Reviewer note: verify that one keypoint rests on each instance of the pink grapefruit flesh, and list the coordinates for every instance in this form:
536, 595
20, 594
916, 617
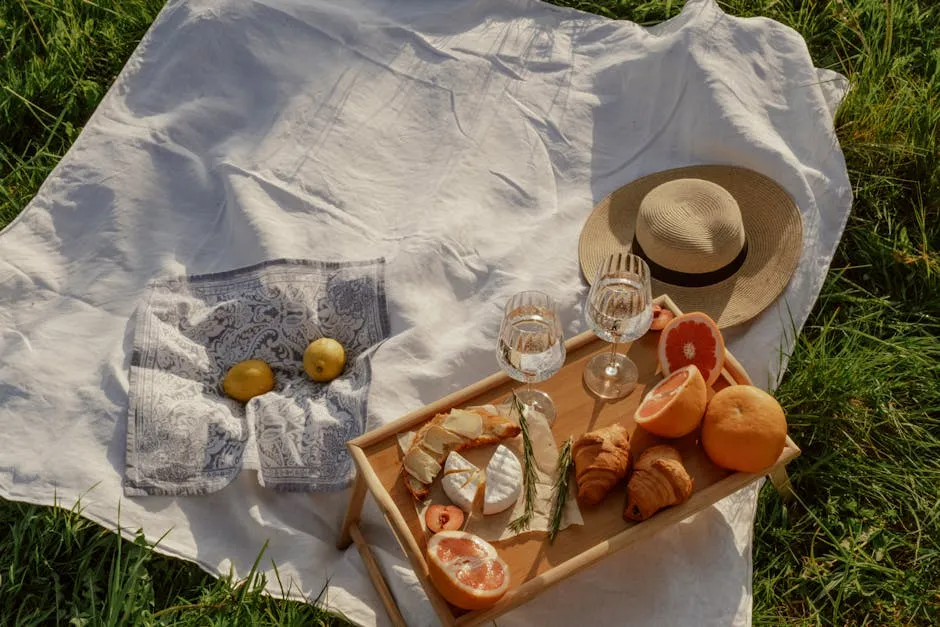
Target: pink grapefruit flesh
663, 394
692, 339
674, 407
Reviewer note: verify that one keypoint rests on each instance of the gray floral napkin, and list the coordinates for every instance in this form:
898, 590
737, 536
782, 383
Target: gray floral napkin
185, 437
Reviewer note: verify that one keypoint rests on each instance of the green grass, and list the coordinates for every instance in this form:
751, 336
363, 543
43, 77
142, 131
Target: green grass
861, 546
60, 568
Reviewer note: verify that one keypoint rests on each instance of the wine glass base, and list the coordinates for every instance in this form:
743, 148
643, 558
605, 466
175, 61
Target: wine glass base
611, 375
538, 400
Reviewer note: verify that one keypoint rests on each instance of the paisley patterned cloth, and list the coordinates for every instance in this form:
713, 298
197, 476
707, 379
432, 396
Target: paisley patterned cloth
185, 437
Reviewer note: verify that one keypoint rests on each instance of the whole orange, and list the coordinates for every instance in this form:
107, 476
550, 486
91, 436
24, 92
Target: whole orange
744, 429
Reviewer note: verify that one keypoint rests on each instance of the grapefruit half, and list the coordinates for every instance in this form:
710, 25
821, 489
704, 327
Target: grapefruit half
466, 570
675, 406
692, 338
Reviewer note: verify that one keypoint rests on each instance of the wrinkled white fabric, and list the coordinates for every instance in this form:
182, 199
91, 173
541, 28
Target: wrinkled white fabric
465, 142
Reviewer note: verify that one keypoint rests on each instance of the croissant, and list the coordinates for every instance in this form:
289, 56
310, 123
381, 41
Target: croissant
601, 459
659, 480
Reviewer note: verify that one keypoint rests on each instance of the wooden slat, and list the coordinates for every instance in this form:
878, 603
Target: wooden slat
378, 580
736, 370
412, 551
781, 481
353, 510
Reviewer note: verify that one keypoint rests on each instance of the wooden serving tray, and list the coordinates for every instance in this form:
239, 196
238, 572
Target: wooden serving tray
534, 564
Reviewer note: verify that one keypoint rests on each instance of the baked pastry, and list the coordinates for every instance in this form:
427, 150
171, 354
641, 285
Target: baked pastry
659, 480
455, 430
601, 460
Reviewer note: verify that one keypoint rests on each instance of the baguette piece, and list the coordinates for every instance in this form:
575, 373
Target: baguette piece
601, 460
456, 430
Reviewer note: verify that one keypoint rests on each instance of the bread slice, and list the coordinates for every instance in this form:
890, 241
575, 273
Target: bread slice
456, 430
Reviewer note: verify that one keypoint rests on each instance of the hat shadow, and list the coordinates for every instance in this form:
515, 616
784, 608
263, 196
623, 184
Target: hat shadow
718, 300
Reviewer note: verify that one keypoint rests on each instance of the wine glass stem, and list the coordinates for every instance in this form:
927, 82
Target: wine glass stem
611, 369
528, 403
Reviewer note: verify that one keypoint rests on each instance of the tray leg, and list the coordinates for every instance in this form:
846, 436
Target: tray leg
781, 481
376, 576
356, 500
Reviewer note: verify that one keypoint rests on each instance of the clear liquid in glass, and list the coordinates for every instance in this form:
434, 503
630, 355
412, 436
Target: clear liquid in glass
620, 309
529, 348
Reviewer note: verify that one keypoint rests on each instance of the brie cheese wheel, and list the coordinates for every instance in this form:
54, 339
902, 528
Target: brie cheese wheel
502, 478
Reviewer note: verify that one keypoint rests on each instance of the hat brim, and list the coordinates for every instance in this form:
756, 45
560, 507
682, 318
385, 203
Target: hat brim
773, 227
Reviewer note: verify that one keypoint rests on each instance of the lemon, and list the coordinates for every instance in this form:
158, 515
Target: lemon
324, 359
248, 379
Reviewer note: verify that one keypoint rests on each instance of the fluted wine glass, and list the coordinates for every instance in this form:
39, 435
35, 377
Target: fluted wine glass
619, 309
531, 346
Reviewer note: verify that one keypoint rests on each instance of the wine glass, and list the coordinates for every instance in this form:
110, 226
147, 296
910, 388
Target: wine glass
531, 346
619, 309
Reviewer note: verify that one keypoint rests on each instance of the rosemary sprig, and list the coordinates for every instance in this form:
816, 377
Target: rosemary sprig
560, 488
521, 522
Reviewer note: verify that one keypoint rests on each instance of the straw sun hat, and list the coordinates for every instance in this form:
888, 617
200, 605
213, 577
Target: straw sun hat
718, 239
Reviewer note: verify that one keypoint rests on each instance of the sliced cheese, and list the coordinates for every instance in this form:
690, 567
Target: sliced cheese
502, 477
421, 465
469, 424
441, 441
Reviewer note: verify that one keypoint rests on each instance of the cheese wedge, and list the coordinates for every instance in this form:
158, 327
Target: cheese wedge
469, 424
421, 465
440, 441
460, 480
502, 478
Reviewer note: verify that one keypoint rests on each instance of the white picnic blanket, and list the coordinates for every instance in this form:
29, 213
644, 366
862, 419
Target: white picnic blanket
463, 141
